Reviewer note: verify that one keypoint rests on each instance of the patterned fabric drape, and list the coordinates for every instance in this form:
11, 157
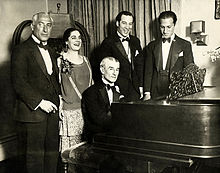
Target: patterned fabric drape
98, 17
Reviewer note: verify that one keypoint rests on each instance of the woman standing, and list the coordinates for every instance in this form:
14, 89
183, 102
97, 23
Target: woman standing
75, 77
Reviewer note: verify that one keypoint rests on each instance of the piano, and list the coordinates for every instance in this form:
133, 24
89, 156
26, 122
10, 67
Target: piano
184, 133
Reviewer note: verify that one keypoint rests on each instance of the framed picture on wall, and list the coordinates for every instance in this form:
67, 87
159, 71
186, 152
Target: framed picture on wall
217, 9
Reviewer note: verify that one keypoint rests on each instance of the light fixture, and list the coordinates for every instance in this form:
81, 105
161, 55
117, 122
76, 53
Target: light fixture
197, 28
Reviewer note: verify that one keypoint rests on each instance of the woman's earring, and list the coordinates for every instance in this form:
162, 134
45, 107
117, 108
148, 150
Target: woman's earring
66, 48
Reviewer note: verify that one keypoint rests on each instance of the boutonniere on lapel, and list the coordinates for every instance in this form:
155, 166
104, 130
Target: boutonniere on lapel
136, 52
117, 89
174, 40
180, 54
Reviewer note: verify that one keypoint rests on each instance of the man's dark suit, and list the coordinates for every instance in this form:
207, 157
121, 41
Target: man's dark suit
180, 55
97, 116
130, 76
32, 83
96, 109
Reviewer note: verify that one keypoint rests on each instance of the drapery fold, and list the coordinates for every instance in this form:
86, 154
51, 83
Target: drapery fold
98, 17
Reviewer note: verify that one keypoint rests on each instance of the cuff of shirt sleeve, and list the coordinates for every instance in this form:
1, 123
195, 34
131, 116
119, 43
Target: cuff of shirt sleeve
146, 93
38, 105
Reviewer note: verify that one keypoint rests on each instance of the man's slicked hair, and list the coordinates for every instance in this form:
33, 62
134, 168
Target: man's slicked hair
168, 14
126, 13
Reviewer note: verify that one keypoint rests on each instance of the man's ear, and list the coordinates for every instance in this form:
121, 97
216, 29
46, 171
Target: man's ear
32, 27
102, 70
117, 23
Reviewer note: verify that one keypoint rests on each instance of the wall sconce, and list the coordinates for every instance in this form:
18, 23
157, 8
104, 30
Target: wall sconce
197, 28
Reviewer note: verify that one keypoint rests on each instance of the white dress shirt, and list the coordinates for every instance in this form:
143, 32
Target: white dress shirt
46, 56
109, 92
125, 45
47, 60
165, 53
165, 50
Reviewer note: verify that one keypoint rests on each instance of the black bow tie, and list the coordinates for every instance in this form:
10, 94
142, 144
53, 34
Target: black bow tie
125, 39
110, 87
45, 47
166, 39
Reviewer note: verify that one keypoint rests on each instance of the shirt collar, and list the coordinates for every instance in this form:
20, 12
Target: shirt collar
121, 36
106, 82
37, 40
172, 37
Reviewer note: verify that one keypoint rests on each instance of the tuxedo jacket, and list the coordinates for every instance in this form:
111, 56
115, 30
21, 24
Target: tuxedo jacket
180, 55
32, 82
131, 73
96, 109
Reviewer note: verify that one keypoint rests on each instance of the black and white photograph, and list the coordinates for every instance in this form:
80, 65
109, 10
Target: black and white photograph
110, 86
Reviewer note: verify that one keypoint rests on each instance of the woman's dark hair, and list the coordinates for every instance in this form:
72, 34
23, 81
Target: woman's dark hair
67, 33
66, 36
168, 14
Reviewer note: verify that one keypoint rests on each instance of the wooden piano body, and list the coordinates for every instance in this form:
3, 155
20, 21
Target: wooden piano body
177, 133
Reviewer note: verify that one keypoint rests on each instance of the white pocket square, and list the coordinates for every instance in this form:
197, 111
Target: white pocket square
180, 54
136, 52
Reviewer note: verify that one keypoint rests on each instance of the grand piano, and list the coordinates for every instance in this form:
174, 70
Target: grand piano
184, 134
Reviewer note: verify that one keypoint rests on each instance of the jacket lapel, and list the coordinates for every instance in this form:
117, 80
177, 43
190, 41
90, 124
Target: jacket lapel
174, 52
133, 50
120, 47
158, 54
116, 96
54, 61
175, 49
40, 60
132, 47
104, 94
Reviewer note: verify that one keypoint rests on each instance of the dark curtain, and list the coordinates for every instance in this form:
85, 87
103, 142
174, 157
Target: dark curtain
98, 17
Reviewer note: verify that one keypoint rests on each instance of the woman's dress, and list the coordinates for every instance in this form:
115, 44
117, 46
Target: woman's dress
74, 79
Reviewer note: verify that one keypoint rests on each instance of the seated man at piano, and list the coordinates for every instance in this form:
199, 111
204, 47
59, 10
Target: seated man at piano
97, 99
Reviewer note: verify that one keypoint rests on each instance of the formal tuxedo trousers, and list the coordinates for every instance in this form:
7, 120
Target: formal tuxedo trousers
32, 83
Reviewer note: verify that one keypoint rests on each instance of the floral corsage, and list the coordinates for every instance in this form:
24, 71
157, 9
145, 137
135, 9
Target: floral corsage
65, 66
